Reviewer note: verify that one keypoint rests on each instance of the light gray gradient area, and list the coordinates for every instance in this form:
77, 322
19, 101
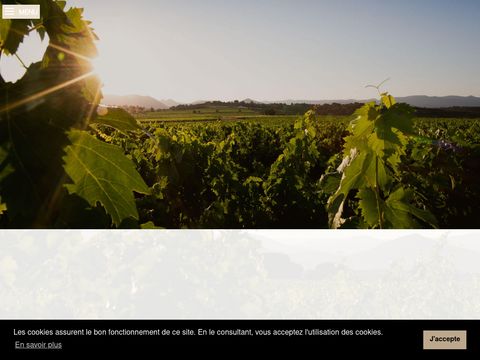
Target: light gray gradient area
239, 274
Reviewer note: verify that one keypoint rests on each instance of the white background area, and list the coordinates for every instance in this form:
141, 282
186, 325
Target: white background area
209, 274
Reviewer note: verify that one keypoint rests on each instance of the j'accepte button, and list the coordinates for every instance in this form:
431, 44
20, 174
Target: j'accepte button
444, 340
20, 11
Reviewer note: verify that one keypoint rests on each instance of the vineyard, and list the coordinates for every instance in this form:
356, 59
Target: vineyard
255, 175
67, 163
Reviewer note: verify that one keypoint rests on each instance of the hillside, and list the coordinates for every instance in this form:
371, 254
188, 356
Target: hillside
440, 101
421, 101
134, 100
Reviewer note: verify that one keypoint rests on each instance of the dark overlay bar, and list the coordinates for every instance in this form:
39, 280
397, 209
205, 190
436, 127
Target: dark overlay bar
144, 336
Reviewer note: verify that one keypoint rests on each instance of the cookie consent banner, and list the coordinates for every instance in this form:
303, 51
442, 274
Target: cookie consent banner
73, 337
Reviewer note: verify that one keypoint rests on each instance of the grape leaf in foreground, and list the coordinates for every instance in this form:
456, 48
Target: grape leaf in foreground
370, 206
119, 119
3, 207
102, 174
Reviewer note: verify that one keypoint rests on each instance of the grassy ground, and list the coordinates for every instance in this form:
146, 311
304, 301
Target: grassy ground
215, 115
221, 115
211, 113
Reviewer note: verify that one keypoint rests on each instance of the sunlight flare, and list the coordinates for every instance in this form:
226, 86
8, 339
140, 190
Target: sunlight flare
46, 92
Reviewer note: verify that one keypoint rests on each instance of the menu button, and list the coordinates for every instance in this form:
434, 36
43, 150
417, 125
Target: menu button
20, 11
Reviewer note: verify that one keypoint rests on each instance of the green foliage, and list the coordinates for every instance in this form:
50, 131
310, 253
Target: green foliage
149, 226
254, 175
61, 165
102, 174
40, 115
235, 175
371, 168
290, 186
3, 207
118, 119
442, 164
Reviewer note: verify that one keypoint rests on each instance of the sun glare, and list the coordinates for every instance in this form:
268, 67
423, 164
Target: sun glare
98, 68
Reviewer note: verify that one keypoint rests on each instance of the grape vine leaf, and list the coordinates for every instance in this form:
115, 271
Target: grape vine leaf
12, 34
149, 226
369, 206
399, 211
353, 176
400, 117
376, 172
81, 34
101, 173
330, 182
4, 29
118, 119
378, 140
388, 100
3, 207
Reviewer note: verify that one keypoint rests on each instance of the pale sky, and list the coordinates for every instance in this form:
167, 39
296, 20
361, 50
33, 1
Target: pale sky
189, 50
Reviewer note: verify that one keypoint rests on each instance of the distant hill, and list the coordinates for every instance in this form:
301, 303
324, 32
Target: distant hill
251, 101
319, 102
440, 101
197, 102
170, 103
422, 101
134, 100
